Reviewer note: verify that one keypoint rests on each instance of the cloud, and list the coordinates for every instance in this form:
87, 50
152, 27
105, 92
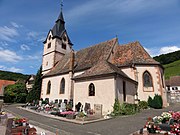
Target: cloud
4, 44
42, 39
32, 34
9, 56
7, 33
15, 25
168, 49
12, 69
33, 57
31, 66
163, 50
25, 47
120, 7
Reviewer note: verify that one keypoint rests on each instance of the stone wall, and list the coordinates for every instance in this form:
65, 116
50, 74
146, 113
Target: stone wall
173, 97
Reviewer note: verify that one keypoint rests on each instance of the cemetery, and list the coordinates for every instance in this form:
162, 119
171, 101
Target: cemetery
168, 123
15, 125
65, 112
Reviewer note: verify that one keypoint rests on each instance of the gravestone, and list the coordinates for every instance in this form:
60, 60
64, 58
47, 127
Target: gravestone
98, 109
56, 105
87, 107
9, 126
78, 107
40, 102
63, 106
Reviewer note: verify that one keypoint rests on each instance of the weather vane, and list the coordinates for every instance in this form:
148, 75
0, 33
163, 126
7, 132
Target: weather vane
61, 5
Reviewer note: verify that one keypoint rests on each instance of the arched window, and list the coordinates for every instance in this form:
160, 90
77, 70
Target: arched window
91, 90
49, 87
147, 79
62, 86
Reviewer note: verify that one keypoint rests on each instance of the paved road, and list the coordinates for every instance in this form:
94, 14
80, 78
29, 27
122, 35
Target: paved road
117, 126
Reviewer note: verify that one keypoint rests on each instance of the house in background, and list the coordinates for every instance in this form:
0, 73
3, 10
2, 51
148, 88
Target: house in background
173, 84
30, 82
98, 74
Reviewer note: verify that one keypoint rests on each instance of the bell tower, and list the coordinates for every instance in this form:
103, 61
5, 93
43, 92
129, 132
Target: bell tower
56, 45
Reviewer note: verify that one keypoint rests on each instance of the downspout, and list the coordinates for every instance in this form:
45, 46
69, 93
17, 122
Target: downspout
115, 86
71, 74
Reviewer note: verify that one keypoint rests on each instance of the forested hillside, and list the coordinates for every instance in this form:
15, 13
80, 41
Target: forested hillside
5, 75
168, 58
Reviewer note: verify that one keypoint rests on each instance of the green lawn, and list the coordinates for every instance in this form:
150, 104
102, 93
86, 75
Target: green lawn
172, 69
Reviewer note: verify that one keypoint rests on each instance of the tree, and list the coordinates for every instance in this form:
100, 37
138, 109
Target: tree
35, 93
15, 93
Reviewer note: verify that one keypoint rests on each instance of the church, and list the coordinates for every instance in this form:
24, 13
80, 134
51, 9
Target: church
98, 74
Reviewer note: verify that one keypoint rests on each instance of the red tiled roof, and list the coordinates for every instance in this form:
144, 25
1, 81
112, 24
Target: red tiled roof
102, 68
132, 53
4, 83
85, 58
173, 81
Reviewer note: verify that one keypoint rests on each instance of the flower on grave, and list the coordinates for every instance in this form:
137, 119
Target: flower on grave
157, 119
176, 116
175, 129
166, 115
20, 120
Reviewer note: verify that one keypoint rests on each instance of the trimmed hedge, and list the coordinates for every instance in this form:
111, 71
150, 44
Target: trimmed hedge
155, 102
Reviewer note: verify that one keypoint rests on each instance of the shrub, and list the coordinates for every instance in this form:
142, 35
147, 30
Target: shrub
150, 100
128, 109
116, 107
124, 109
69, 107
81, 114
45, 102
142, 105
156, 102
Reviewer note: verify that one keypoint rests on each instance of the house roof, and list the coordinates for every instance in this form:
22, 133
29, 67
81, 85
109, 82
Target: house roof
173, 81
85, 58
100, 69
90, 58
132, 53
30, 76
4, 83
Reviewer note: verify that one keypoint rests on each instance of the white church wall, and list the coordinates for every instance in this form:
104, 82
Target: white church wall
59, 47
131, 90
144, 93
52, 47
104, 93
48, 61
55, 88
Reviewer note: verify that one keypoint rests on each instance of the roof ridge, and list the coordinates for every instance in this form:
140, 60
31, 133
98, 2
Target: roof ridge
129, 43
97, 44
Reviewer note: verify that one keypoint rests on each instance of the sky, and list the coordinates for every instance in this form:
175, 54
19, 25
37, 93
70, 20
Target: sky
24, 25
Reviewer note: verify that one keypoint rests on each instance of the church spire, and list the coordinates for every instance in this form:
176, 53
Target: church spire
61, 18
